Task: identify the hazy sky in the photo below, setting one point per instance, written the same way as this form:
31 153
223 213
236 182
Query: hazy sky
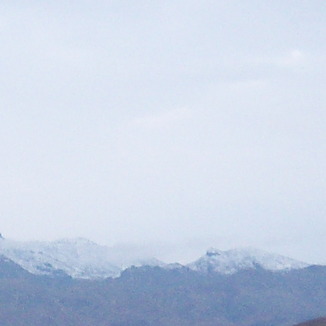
174 124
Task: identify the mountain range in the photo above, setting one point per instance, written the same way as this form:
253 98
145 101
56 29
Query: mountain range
62 283
84 259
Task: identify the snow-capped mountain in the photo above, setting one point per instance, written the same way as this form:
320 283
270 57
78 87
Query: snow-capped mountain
79 258
232 261
82 258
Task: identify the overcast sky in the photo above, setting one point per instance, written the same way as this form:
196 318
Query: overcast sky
171 124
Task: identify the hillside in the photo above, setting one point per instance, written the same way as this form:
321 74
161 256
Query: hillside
153 296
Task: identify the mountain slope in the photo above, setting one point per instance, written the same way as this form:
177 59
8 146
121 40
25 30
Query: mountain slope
9 269
152 296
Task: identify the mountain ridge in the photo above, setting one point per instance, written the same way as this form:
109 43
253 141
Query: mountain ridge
154 296
81 258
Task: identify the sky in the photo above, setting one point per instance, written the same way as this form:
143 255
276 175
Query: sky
171 125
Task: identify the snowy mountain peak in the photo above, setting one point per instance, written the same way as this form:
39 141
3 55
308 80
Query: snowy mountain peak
232 261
